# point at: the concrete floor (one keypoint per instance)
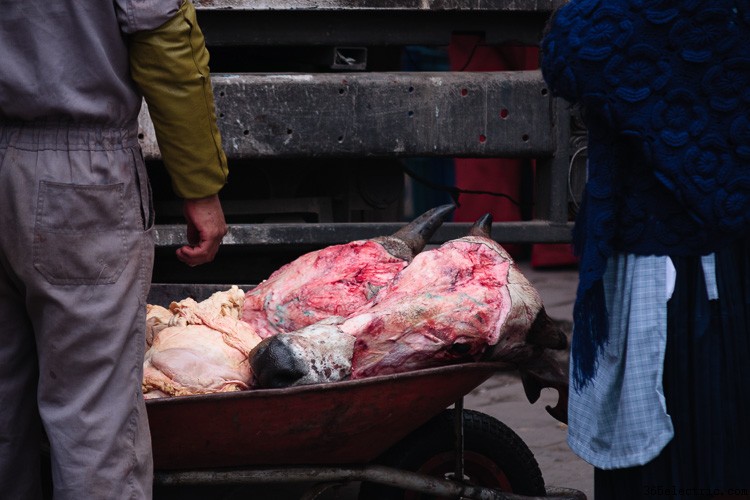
(502, 396)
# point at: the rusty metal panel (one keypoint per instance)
(347, 422)
(488, 114)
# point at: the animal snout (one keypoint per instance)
(275, 364)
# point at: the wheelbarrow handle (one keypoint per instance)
(374, 473)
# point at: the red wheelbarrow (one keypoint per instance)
(392, 433)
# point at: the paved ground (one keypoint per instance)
(502, 397)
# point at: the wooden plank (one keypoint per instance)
(345, 5)
(368, 28)
(251, 252)
(279, 235)
(492, 114)
(553, 174)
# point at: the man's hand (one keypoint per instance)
(205, 229)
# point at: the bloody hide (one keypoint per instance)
(337, 280)
(462, 301)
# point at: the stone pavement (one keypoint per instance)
(502, 396)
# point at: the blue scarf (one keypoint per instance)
(665, 90)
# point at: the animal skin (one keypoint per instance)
(336, 280)
(463, 301)
(203, 349)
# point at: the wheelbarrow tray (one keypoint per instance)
(349, 422)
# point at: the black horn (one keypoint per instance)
(416, 234)
(482, 227)
(546, 332)
(545, 372)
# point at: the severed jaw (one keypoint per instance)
(426, 330)
(541, 372)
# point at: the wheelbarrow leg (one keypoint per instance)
(458, 429)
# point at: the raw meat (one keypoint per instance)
(450, 304)
(336, 280)
(203, 349)
(462, 301)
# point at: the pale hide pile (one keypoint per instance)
(198, 348)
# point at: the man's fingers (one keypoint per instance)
(199, 254)
(193, 236)
(203, 252)
(205, 229)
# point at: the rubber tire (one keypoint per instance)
(494, 457)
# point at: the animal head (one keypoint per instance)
(405, 355)
(316, 354)
(428, 330)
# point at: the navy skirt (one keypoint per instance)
(707, 390)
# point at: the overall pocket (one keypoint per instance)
(79, 238)
(145, 195)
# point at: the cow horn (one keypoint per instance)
(418, 232)
(545, 332)
(482, 227)
(543, 372)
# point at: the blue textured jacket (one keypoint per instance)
(665, 89)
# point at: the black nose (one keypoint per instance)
(275, 364)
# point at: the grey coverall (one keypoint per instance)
(76, 249)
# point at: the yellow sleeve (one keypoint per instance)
(170, 67)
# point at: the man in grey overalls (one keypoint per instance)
(76, 247)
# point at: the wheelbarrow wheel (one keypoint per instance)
(494, 457)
